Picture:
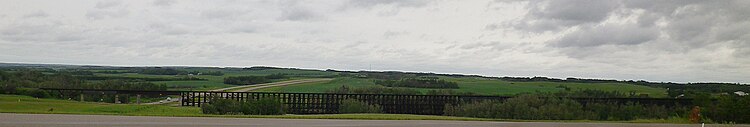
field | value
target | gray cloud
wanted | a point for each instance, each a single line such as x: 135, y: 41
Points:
x: 297, y: 14
x: 164, y: 2
x: 107, y: 4
x: 400, y: 3
x: 633, y: 39
x: 38, y: 14
x: 607, y: 35
x: 559, y: 14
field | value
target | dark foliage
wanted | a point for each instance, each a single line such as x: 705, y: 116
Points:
x: 213, y: 73
x: 245, y: 80
x: 588, y: 93
x: 182, y: 78
x: 26, y: 82
x: 530, y: 107
x: 161, y: 71
x: 419, y: 83
x: 727, y: 108
x: 374, y: 90
x: 356, y: 106
x: 264, y: 106
x: 448, y: 92
x: 248, y: 80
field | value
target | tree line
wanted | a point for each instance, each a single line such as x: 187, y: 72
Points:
x: 27, y: 82
x: 419, y: 83
x: 172, y: 71
x: 722, y: 109
x: 248, y: 80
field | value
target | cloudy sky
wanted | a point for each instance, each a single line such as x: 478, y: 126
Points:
x: 677, y: 40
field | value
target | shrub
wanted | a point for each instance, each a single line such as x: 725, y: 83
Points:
x: 209, y: 109
x: 374, y: 90
x: 221, y: 107
x: 732, y: 109
x: 355, y: 106
x: 246, y: 80
x: 264, y: 106
x: 32, y: 92
x: 530, y: 107
x: 448, y: 92
x: 419, y: 83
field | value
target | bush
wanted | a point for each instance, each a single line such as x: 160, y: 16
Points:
x: 530, y: 107
x: 419, y: 83
x: 732, y: 109
x: 448, y: 92
x: 374, y: 90
x: 355, y: 106
x: 221, y: 107
x: 246, y: 80
x: 265, y: 106
x: 32, y: 92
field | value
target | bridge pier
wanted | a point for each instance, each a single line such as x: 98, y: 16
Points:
x: 137, y: 99
x: 81, y: 97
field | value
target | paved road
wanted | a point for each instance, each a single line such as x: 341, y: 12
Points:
x: 57, y: 120
x: 275, y: 84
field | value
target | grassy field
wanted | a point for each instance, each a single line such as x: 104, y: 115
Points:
x: 479, y: 86
x: 215, y: 82
x: 499, y: 87
x: 25, y: 104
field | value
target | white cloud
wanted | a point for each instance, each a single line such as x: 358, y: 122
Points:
x: 652, y: 40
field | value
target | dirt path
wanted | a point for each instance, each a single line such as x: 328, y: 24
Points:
x: 246, y: 88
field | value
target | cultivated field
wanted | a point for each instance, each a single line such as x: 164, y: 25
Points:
x: 479, y: 86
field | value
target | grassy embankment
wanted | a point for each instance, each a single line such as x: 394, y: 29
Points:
x: 26, y: 104
x: 479, y: 86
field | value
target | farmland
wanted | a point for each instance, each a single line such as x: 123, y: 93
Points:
x: 479, y: 85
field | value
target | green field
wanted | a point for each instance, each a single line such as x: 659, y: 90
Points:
x: 215, y: 82
x: 25, y: 104
x: 480, y: 86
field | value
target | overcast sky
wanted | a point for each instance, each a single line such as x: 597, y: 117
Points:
x: 678, y: 40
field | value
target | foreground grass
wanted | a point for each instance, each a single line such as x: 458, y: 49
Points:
x: 26, y: 104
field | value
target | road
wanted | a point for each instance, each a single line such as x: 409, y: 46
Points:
x: 58, y: 120
x: 246, y: 88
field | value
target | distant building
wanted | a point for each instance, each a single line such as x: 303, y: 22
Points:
x: 740, y: 93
